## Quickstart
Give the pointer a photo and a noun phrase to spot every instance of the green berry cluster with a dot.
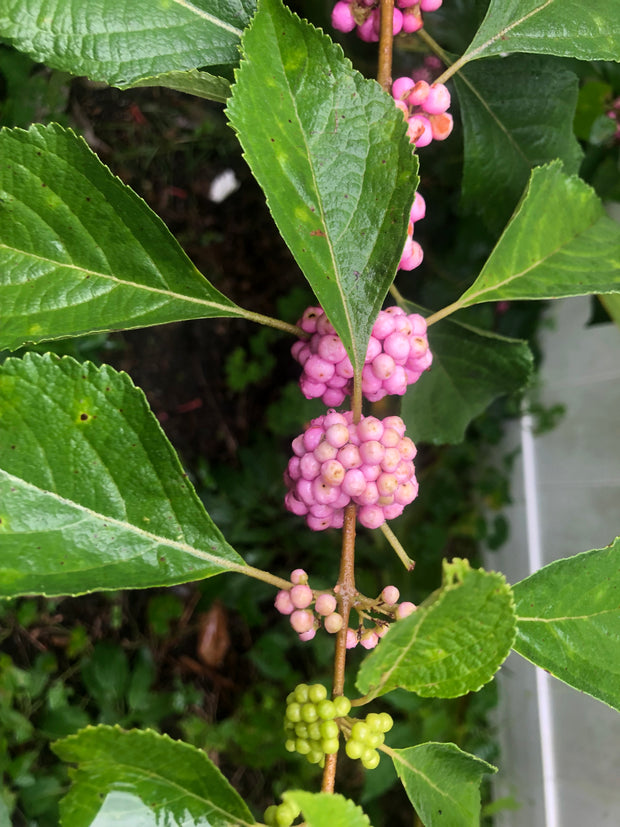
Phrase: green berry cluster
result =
(309, 722)
(281, 815)
(366, 736)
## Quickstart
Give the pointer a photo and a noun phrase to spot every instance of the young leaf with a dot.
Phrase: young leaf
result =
(321, 809)
(517, 114)
(80, 251)
(108, 44)
(194, 82)
(572, 28)
(452, 644)
(141, 777)
(568, 621)
(329, 149)
(92, 495)
(442, 782)
(559, 243)
(471, 367)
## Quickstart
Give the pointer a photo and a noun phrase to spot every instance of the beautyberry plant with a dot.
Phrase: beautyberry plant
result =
(92, 495)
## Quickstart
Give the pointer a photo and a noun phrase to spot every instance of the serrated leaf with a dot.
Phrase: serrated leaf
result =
(92, 495)
(443, 783)
(327, 809)
(331, 154)
(141, 778)
(452, 644)
(568, 621)
(194, 82)
(560, 242)
(106, 43)
(81, 252)
(569, 28)
(517, 113)
(471, 367)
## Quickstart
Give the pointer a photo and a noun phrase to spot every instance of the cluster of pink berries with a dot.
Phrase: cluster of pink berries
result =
(413, 254)
(337, 462)
(425, 108)
(365, 16)
(297, 602)
(614, 114)
(387, 603)
(397, 355)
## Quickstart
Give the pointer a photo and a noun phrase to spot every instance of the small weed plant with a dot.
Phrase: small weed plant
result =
(92, 494)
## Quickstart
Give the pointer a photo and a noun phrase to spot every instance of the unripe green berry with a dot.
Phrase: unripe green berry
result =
(302, 746)
(301, 693)
(329, 729)
(285, 815)
(371, 759)
(342, 705)
(354, 749)
(314, 731)
(330, 745)
(375, 739)
(293, 712)
(317, 693)
(326, 710)
(315, 756)
(373, 719)
(309, 713)
(360, 732)
(386, 721)
(269, 816)
(289, 745)
(301, 730)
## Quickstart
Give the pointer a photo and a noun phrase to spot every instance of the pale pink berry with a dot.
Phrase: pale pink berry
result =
(437, 100)
(404, 610)
(312, 438)
(333, 623)
(418, 209)
(319, 370)
(390, 595)
(374, 349)
(325, 604)
(307, 635)
(349, 456)
(366, 31)
(324, 451)
(351, 639)
(331, 349)
(418, 93)
(342, 17)
(283, 602)
(369, 639)
(396, 424)
(333, 397)
(332, 472)
(309, 466)
(372, 452)
(383, 366)
(370, 428)
(412, 20)
(354, 482)
(337, 435)
(419, 130)
(390, 438)
(299, 576)
(402, 87)
(412, 257)
(430, 5)
(371, 516)
(309, 319)
(301, 596)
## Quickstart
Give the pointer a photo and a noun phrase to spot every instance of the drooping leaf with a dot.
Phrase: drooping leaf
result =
(560, 242)
(92, 495)
(331, 154)
(568, 621)
(569, 28)
(194, 82)
(452, 644)
(80, 251)
(471, 367)
(109, 43)
(517, 113)
(143, 778)
(443, 783)
(322, 809)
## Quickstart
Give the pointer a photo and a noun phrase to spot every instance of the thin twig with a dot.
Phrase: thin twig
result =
(386, 41)
(393, 540)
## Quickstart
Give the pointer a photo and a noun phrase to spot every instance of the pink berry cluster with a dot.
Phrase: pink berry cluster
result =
(397, 355)
(413, 254)
(387, 603)
(297, 602)
(425, 108)
(614, 114)
(337, 462)
(365, 16)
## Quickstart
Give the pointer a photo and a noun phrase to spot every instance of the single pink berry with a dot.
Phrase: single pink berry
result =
(302, 620)
(418, 209)
(412, 20)
(371, 516)
(333, 623)
(351, 639)
(402, 87)
(419, 130)
(441, 126)
(369, 639)
(283, 602)
(301, 596)
(404, 610)
(437, 100)
(307, 635)
(390, 595)
(430, 5)
(342, 17)
(325, 604)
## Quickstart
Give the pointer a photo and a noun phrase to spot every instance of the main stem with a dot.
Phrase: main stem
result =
(386, 40)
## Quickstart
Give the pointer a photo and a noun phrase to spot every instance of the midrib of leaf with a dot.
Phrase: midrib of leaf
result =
(467, 299)
(564, 619)
(418, 772)
(472, 55)
(210, 17)
(131, 770)
(125, 526)
(158, 290)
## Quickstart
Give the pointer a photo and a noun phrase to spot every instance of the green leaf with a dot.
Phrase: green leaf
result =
(92, 495)
(443, 783)
(471, 367)
(568, 621)
(330, 151)
(559, 243)
(322, 809)
(571, 28)
(107, 43)
(140, 778)
(81, 252)
(517, 114)
(194, 82)
(452, 644)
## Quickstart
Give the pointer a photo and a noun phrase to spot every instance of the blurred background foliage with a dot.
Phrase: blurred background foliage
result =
(212, 662)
